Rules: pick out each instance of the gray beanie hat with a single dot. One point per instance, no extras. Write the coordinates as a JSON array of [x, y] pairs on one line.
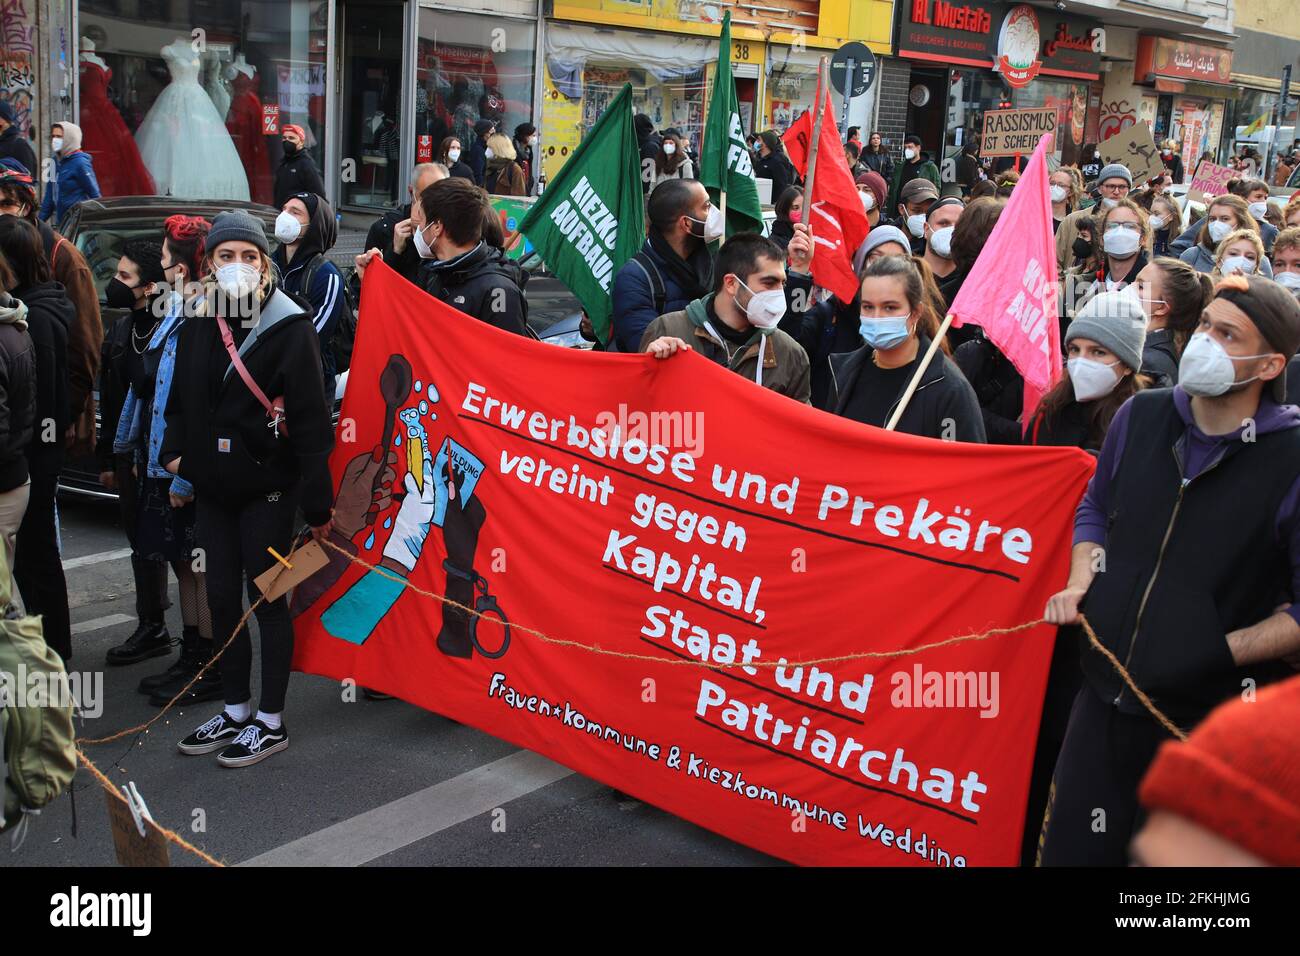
[[237, 225], [878, 237], [1115, 170], [1115, 321]]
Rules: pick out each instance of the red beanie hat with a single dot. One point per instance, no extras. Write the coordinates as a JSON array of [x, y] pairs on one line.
[[1238, 774]]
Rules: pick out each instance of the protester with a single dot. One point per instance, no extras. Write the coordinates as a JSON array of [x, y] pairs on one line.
[[940, 221], [477, 159], [1166, 218], [773, 163], [1114, 182], [872, 189], [525, 142], [13, 144], [1212, 530], [17, 415], [789, 210], [969, 237], [502, 175], [969, 174], [1104, 347], [1005, 181], [38, 567], [877, 159], [74, 174], [882, 241], [852, 154], [673, 267], [897, 324], [1173, 296], [1240, 253], [1064, 193], [297, 172], [1230, 794], [1225, 215], [1291, 214], [1273, 217], [456, 265], [134, 290], [247, 496], [307, 230], [1254, 195], [1125, 235], [1286, 259], [854, 136], [69, 268], [449, 154], [736, 326], [913, 200], [163, 529], [916, 164], [391, 232], [1173, 161], [671, 162], [984, 189]]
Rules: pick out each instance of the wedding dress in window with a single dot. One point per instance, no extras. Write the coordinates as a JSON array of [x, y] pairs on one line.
[[184, 141]]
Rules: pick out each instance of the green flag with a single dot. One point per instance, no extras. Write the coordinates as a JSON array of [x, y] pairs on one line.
[[591, 218], [724, 161]]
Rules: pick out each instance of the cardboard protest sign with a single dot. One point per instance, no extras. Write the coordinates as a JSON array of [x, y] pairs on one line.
[[721, 567], [1134, 147], [1209, 180], [1009, 132]]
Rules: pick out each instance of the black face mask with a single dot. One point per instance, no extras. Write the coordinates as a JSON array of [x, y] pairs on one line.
[[1082, 248], [119, 295], [290, 149]]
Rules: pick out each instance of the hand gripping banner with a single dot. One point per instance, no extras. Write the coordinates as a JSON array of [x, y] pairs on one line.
[[731, 553]]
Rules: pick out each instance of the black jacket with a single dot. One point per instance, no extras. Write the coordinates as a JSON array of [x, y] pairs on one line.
[[782, 232], [778, 168], [1159, 361], [459, 168], [14, 145], [1068, 427], [477, 159], [880, 162], [17, 398], [218, 428], [470, 283], [50, 314], [823, 330], [635, 306], [999, 388], [297, 174], [942, 397], [114, 380]]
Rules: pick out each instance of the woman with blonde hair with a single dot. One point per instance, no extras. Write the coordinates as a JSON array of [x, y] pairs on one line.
[[502, 175], [1241, 253], [252, 459], [1226, 214]]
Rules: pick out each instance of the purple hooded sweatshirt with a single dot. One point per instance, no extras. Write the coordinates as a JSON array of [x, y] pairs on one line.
[[1201, 451]]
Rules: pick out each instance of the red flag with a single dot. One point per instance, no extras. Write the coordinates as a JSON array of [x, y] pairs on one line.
[[1011, 289], [836, 217]]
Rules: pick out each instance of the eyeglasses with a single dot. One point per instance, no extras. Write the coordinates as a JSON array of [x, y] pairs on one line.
[[1112, 226]]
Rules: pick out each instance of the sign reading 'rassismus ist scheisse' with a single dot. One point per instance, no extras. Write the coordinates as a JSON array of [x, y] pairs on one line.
[[1008, 132]]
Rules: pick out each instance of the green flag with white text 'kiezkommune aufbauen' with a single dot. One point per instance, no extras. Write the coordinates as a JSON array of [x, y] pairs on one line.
[[725, 165], [591, 219]]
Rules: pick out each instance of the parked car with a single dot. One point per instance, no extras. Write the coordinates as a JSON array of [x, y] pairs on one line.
[[100, 228]]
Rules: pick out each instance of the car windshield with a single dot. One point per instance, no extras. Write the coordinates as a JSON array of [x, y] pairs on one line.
[[101, 242]]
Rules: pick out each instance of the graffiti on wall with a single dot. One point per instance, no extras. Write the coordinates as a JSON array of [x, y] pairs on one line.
[[17, 58], [1116, 116]]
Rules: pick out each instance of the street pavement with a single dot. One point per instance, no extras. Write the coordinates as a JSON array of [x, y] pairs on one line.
[[362, 783]]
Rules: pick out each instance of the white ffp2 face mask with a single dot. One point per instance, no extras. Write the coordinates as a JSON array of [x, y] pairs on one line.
[[1091, 379], [1240, 264], [868, 200], [1289, 280], [1158, 223], [765, 308], [287, 228], [1059, 193], [1206, 369], [453, 155], [1218, 229], [1257, 209], [1121, 242], [670, 148], [916, 225], [238, 279], [941, 242], [714, 225], [422, 247], [488, 153], [909, 153]]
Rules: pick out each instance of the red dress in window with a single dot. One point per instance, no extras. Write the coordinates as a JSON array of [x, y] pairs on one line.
[[118, 166], [245, 124]]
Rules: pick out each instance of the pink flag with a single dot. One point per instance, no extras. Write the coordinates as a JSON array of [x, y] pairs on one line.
[[1011, 290]]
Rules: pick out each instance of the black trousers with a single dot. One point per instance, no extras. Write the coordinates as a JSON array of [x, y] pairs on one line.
[[1063, 682], [1094, 810], [234, 539], [38, 566], [150, 576]]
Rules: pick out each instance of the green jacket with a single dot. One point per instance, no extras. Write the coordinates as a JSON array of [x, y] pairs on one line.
[[785, 363], [925, 170]]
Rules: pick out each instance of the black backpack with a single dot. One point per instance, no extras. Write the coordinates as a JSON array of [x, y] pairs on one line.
[[345, 335]]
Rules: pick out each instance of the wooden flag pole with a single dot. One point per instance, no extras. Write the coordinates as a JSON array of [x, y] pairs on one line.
[[722, 206], [823, 74], [916, 379]]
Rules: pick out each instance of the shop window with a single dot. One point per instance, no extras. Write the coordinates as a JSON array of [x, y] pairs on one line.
[[188, 98]]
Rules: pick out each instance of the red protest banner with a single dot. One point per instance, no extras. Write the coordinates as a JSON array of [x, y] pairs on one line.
[[697, 520]]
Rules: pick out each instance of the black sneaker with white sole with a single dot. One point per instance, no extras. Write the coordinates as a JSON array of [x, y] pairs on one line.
[[255, 742], [212, 735]]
